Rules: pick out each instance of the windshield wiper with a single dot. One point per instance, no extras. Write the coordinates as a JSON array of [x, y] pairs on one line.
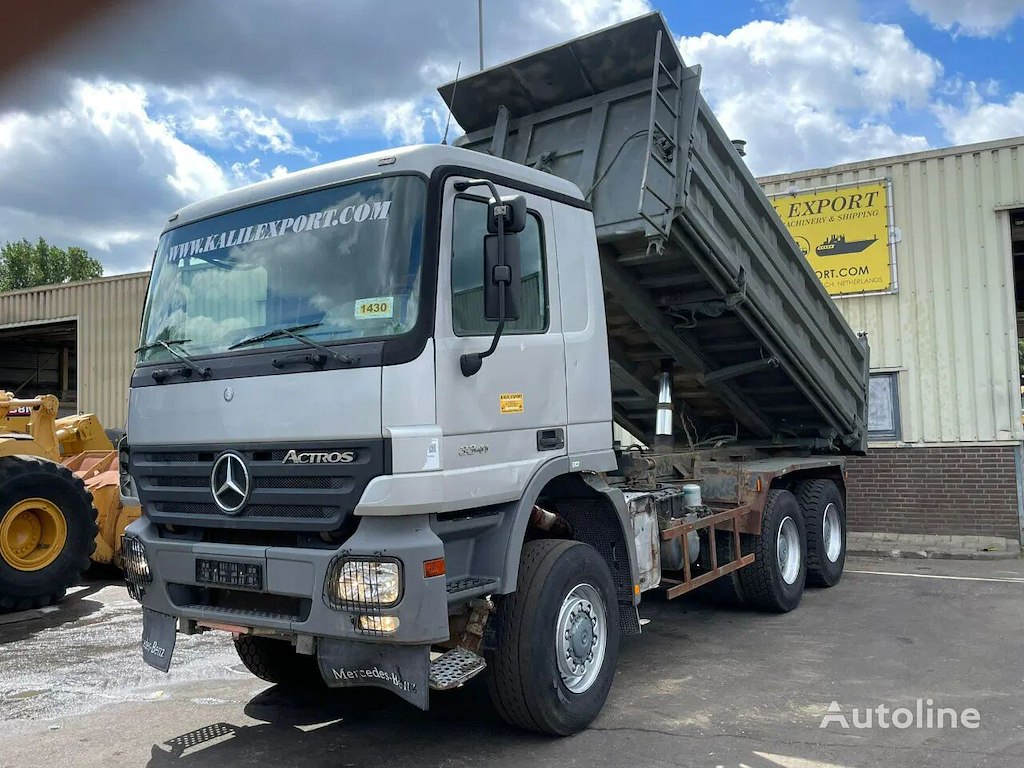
[[292, 332], [179, 356], [274, 334]]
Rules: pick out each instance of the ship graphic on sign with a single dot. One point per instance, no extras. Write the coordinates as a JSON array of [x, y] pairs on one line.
[[837, 245]]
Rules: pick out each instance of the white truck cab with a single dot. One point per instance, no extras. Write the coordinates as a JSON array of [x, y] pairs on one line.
[[370, 423]]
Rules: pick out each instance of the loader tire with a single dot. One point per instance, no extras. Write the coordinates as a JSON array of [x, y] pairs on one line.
[[276, 661], [47, 532], [775, 580], [825, 521], [557, 639]]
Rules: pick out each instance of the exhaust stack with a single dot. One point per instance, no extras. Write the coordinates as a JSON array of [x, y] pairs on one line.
[[663, 420]]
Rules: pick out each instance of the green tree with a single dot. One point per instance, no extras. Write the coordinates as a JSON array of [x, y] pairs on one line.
[[24, 265]]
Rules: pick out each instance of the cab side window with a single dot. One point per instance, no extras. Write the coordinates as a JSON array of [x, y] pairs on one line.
[[468, 229]]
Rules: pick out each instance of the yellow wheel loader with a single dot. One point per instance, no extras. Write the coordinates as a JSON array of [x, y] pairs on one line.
[[59, 500]]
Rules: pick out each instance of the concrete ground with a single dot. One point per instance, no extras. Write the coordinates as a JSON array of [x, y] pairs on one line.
[[702, 687]]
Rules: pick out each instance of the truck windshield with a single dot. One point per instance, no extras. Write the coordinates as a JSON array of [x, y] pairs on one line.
[[344, 262]]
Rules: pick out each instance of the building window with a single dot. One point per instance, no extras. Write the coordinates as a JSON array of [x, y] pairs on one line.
[[883, 407], [470, 226]]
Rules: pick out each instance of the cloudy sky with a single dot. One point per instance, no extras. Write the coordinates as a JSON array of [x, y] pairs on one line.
[[163, 103]]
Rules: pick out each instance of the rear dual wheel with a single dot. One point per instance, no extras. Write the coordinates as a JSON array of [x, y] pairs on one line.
[[825, 521], [775, 580]]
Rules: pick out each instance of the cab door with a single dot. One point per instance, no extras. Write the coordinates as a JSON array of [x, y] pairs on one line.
[[502, 423]]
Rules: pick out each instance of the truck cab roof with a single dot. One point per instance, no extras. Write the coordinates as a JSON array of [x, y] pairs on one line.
[[422, 159]]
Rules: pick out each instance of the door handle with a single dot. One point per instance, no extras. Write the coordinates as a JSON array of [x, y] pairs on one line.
[[550, 439]]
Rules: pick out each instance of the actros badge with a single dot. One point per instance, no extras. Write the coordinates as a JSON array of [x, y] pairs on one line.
[[318, 457]]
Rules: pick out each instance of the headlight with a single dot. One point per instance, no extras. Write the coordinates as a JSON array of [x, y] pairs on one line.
[[136, 566], [355, 583], [378, 625]]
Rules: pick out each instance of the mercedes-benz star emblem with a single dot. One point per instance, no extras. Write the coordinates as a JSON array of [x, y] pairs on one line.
[[229, 482]]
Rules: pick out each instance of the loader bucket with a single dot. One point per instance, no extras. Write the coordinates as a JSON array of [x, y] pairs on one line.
[[98, 470]]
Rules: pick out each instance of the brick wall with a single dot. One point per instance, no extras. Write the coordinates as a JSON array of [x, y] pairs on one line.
[[964, 490]]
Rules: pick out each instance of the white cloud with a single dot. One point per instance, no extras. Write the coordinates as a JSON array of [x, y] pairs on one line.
[[314, 61], [252, 171], [98, 172], [267, 134], [979, 120], [813, 90], [978, 18], [241, 127], [119, 124], [405, 123], [581, 16]]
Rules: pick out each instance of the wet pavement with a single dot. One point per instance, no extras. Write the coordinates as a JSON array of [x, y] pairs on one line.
[[702, 687]]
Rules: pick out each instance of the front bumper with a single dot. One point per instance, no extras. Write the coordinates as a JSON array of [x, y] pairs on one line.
[[291, 601]]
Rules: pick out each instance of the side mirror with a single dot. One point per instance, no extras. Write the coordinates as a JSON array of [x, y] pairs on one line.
[[506, 218], [514, 214], [498, 278]]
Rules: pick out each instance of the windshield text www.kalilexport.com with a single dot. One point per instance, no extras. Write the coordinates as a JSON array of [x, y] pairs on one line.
[[332, 217]]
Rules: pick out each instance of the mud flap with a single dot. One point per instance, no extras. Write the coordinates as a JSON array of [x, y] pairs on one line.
[[401, 669], [158, 635]]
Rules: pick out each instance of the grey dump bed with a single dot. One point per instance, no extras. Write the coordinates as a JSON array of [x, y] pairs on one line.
[[699, 272]]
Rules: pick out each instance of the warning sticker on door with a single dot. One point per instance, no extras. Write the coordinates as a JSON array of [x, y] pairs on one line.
[[376, 307], [433, 455], [511, 402]]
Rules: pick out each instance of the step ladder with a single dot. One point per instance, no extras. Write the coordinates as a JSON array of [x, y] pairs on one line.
[[669, 125]]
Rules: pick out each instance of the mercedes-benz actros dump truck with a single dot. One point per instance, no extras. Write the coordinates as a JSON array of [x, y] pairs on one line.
[[371, 419]]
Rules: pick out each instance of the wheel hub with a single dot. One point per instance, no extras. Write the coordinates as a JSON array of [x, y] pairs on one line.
[[581, 629], [581, 636], [32, 534], [832, 533], [788, 550]]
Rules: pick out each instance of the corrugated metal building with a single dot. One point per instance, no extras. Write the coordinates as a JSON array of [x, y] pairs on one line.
[[75, 341], [948, 457]]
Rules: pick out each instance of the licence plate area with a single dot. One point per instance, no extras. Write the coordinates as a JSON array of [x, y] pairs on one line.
[[225, 573]]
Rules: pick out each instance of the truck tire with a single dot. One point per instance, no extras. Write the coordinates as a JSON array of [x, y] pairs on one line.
[[825, 522], [557, 639], [725, 591], [775, 580], [276, 661], [47, 532]]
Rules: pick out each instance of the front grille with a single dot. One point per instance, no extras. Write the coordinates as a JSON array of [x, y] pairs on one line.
[[315, 482], [184, 457], [252, 510], [181, 481], [174, 485], [312, 482]]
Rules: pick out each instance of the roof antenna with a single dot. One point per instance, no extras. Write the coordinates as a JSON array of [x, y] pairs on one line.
[[455, 87]]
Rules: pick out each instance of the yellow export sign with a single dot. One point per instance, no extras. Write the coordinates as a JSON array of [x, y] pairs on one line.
[[844, 233]]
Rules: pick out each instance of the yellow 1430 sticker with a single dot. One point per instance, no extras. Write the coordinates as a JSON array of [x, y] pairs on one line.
[[378, 306], [511, 402]]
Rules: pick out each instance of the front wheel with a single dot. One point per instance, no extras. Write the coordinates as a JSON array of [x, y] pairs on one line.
[[557, 639], [276, 661]]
